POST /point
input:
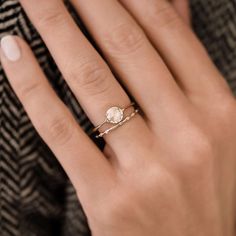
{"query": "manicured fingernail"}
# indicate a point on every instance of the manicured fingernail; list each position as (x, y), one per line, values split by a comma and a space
(10, 48)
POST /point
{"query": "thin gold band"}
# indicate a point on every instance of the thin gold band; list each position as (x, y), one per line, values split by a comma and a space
(106, 120)
(135, 112)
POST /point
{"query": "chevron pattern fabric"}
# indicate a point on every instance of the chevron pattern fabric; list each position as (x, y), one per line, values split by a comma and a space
(36, 197)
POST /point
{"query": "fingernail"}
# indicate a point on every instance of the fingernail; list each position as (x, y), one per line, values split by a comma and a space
(10, 48)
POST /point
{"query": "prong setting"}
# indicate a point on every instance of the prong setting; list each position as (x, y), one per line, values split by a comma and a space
(115, 115)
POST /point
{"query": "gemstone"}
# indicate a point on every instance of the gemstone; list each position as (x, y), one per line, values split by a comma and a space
(114, 115)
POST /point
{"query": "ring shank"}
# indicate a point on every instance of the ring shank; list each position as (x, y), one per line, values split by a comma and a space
(123, 119)
(119, 124)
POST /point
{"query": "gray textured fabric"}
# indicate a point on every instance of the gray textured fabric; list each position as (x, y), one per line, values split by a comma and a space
(36, 197)
(215, 23)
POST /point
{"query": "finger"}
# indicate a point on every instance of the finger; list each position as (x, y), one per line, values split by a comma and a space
(179, 47)
(182, 7)
(132, 56)
(86, 73)
(87, 168)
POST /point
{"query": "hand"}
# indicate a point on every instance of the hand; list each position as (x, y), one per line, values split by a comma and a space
(169, 171)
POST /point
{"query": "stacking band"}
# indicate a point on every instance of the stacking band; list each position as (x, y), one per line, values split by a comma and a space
(126, 119)
(115, 115)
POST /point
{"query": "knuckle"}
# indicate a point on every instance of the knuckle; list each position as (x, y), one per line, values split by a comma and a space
(124, 39)
(28, 90)
(231, 111)
(224, 119)
(91, 78)
(59, 130)
(50, 17)
(162, 13)
(226, 111)
(201, 155)
(119, 208)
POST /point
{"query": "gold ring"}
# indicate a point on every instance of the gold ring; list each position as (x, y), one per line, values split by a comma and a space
(115, 115)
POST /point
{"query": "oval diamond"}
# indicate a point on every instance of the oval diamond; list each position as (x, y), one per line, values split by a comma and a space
(114, 115)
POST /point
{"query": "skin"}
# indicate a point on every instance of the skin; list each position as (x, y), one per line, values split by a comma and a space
(169, 171)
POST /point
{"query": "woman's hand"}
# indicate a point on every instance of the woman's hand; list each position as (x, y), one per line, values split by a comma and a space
(169, 171)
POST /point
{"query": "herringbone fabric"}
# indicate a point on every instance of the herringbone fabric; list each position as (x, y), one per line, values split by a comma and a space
(36, 197)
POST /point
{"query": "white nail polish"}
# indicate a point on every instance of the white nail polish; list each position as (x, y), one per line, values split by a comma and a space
(10, 48)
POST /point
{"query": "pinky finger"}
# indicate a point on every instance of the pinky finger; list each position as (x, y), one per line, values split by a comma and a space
(183, 8)
(85, 165)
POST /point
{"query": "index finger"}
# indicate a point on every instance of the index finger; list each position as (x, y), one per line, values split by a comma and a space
(87, 168)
